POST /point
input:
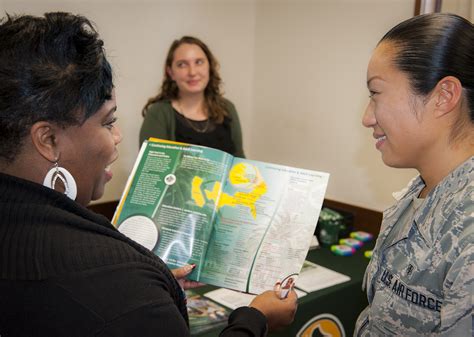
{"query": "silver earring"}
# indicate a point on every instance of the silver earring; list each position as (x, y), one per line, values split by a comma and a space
(70, 187)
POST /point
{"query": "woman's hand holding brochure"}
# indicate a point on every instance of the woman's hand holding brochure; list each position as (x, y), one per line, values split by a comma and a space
(279, 311)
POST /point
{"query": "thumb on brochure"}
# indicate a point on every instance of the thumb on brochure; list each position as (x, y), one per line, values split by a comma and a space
(183, 271)
(180, 275)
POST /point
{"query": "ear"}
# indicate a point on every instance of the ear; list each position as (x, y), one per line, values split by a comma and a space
(43, 136)
(448, 93)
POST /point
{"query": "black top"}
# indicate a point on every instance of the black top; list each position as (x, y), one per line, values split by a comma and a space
(66, 271)
(206, 133)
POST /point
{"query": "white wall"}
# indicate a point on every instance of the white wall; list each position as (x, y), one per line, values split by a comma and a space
(137, 36)
(294, 68)
(310, 92)
(460, 7)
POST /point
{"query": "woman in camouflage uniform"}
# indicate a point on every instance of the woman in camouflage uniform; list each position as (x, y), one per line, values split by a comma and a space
(421, 83)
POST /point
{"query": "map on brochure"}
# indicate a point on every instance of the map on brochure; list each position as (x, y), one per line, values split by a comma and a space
(245, 224)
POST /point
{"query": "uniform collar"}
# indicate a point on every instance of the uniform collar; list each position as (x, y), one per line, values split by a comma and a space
(445, 197)
(404, 199)
(445, 194)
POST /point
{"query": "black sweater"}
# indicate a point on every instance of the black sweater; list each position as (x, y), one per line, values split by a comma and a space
(66, 271)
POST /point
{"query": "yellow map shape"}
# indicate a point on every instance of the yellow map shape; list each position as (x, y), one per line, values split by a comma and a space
(236, 176)
(196, 193)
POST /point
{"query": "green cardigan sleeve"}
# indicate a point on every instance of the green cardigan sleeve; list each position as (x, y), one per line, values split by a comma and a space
(159, 122)
(235, 130)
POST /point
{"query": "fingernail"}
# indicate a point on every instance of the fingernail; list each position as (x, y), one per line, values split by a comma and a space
(277, 287)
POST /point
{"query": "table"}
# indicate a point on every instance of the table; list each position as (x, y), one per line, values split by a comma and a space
(342, 302)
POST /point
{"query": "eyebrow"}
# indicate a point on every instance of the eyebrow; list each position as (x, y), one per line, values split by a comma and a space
(111, 111)
(374, 78)
(190, 60)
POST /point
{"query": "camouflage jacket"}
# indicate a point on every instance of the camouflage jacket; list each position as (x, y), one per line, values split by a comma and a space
(420, 279)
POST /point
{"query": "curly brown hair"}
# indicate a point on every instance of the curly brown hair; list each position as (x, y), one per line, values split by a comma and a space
(215, 103)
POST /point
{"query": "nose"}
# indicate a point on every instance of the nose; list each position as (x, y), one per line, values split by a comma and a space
(368, 119)
(192, 70)
(117, 134)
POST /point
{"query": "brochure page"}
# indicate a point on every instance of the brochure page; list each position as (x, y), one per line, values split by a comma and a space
(164, 205)
(265, 220)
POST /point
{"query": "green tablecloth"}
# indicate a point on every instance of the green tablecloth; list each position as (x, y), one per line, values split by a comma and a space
(343, 301)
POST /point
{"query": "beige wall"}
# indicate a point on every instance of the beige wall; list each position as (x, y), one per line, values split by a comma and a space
(460, 7)
(137, 35)
(310, 93)
(295, 69)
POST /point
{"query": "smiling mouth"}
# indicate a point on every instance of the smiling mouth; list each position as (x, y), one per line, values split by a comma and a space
(108, 169)
(108, 173)
(379, 141)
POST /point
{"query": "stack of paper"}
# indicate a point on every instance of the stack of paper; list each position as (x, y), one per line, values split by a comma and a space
(234, 299)
(204, 314)
(314, 277)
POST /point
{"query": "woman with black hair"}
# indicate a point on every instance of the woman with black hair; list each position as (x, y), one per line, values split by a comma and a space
(64, 270)
(421, 81)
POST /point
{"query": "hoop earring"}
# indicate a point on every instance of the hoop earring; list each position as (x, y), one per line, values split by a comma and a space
(70, 187)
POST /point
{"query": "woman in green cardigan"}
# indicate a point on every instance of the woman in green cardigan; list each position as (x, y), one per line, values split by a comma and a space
(190, 107)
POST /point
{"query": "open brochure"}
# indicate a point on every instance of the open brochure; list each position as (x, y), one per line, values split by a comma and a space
(245, 224)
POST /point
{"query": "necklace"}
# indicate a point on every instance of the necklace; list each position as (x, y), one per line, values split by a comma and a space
(197, 126)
